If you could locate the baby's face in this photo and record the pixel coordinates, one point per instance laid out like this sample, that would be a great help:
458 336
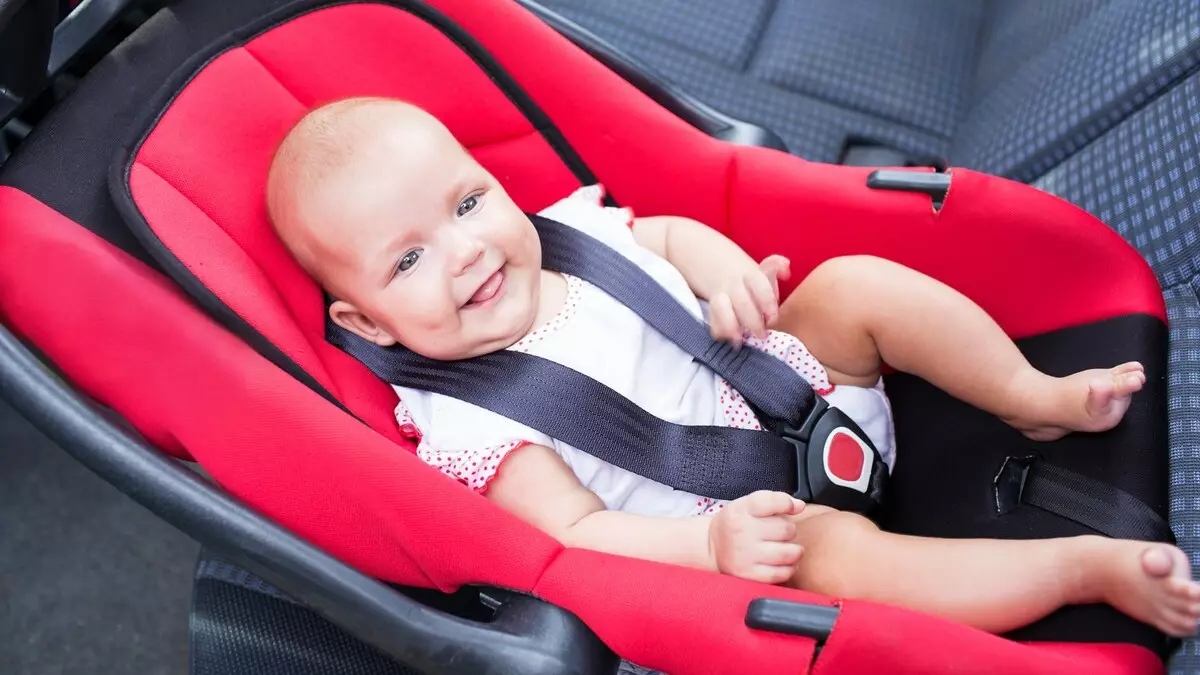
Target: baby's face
431 252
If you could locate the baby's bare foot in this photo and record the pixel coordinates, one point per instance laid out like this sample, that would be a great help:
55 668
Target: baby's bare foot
1150 582
1090 400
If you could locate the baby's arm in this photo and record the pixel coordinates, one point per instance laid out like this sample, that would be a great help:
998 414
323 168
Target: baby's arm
743 295
750 538
535 485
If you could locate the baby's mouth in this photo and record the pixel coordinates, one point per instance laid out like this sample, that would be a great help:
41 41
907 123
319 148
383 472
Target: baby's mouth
488 291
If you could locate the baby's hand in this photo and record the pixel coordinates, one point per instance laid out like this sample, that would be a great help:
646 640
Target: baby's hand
749 303
752 537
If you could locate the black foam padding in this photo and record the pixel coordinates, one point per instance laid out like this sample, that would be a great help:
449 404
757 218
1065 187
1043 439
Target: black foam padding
944 489
236 630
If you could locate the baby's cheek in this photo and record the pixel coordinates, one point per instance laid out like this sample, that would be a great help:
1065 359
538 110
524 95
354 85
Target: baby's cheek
418 313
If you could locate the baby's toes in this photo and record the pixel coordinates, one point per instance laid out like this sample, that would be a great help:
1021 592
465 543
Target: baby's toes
1183 588
1129 367
1126 384
1179 624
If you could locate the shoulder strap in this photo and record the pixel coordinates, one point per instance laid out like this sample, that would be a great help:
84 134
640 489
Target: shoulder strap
562 403
767 383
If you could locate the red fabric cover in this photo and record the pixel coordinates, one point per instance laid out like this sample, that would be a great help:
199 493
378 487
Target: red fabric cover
289 454
198 179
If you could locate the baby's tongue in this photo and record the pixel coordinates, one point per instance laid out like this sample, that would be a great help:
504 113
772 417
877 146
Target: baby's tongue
487 290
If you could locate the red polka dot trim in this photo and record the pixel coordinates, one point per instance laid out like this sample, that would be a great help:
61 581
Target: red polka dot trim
474 468
574 293
404 418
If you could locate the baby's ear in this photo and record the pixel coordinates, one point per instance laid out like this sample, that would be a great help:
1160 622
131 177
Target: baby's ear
349 317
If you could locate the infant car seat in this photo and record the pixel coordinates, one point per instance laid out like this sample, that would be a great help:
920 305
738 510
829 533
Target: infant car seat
162 154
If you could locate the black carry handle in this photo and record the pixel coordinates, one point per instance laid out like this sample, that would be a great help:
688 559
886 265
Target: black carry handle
792 618
936 184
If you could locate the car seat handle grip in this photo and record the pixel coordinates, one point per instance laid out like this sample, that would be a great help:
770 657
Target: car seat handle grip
933 183
793 618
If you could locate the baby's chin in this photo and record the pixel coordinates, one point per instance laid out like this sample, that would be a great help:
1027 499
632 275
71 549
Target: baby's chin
471 345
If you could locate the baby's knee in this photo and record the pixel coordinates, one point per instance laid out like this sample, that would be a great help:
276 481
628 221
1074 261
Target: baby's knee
837 558
845 284
848 272
843 525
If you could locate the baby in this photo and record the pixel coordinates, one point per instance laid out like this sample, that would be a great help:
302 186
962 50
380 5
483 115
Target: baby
421 246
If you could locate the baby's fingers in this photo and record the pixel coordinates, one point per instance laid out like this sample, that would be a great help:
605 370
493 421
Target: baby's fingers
775 528
767 503
776 267
765 298
779 553
771 574
749 316
724 325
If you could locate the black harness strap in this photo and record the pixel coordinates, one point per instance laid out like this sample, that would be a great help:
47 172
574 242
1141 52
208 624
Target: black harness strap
1096 505
766 382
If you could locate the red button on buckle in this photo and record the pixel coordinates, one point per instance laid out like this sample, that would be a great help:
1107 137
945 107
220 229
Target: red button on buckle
847 459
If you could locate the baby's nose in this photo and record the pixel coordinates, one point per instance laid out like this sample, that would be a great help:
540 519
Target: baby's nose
468 252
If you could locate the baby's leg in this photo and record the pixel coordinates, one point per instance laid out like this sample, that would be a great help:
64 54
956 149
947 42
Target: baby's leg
972 581
856 312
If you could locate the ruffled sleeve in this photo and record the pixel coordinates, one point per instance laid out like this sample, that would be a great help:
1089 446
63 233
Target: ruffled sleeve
463 441
584 209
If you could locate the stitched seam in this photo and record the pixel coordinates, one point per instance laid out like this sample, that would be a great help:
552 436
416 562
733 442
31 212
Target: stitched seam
271 73
274 73
326 374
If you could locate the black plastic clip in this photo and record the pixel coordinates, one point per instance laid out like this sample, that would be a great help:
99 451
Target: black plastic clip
1009 484
933 183
817 479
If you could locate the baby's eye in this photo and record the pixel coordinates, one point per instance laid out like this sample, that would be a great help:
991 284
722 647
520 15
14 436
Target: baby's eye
408 260
467 205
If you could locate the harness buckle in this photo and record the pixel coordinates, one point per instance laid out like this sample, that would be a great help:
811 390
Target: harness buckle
836 463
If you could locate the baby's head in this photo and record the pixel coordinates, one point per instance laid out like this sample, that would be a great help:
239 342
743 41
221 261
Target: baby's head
417 243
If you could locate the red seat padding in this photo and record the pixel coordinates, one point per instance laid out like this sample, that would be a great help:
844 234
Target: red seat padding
198 390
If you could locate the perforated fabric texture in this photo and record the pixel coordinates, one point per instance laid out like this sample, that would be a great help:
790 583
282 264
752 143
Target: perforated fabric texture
1094 76
1011 87
1183 311
908 62
277 633
812 127
1016 31
725 33
1143 179
240 624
